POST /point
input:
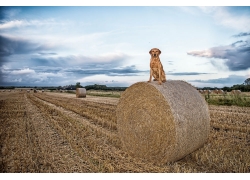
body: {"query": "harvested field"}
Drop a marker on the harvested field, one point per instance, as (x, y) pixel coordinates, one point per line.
(57, 132)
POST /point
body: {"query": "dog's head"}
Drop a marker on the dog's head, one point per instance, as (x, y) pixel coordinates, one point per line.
(155, 52)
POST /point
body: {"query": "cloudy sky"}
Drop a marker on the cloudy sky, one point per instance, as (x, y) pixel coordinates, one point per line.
(62, 45)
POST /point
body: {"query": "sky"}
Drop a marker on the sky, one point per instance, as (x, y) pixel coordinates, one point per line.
(207, 46)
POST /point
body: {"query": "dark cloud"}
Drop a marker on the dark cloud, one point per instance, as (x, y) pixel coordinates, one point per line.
(10, 46)
(122, 71)
(41, 53)
(1, 12)
(186, 73)
(230, 80)
(57, 75)
(242, 34)
(236, 56)
(237, 42)
(46, 69)
(95, 62)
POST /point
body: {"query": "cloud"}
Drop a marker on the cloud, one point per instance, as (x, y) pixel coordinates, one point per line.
(51, 53)
(45, 77)
(7, 12)
(109, 60)
(111, 71)
(229, 17)
(11, 24)
(29, 77)
(228, 81)
(236, 56)
(186, 73)
(242, 34)
(23, 23)
(12, 45)
(26, 71)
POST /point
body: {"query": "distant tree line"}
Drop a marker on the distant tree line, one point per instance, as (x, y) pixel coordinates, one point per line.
(245, 87)
(241, 87)
(104, 87)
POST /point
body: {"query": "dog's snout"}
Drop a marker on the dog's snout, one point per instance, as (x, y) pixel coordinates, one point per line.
(154, 54)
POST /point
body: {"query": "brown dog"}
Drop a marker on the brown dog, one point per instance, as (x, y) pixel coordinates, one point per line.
(156, 68)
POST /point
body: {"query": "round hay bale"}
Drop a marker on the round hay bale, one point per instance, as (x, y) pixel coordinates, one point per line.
(162, 123)
(80, 92)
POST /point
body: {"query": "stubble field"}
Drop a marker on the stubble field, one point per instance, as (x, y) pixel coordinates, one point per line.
(56, 132)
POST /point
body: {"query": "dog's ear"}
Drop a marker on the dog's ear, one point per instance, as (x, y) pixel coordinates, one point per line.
(150, 51)
(159, 51)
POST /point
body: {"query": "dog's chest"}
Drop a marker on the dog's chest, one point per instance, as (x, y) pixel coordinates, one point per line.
(155, 63)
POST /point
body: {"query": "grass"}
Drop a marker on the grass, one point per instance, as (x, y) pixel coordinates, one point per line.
(228, 100)
(105, 95)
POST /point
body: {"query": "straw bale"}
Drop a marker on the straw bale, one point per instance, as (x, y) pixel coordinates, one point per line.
(80, 92)
(216, 91)
(235, 91)
(162, 123)
(221, 92)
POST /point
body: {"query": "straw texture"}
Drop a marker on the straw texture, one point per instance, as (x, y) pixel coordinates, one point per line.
(162, 123)
(80, 92)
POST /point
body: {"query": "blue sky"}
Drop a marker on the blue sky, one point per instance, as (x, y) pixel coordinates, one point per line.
(62, 45)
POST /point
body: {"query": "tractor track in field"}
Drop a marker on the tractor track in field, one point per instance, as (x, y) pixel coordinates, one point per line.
(36, 146)
(80, 118)
(55, 152)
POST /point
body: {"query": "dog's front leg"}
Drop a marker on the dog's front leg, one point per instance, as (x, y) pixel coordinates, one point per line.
(159, 80)
(150, 76)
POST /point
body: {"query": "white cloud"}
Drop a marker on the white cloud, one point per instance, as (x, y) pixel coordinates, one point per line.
(224, 17)
(24, 23)
(111, 80)
(26, 71)
(11, 24)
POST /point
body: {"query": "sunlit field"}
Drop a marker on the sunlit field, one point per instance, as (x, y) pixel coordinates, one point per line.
(57, 132)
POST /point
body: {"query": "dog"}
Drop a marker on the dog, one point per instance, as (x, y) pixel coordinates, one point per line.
(156, 68)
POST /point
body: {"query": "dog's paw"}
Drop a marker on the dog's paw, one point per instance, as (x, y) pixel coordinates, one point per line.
(159, 83)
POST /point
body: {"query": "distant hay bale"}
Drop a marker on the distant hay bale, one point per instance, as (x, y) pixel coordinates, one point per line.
(162, 123)
(80, 92)
(201, 91)
(216, 91)
(207, 91)
(221, 91)
(235, 92)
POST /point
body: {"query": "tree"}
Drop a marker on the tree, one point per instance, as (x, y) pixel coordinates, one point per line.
(247, 81)
(78, 85)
